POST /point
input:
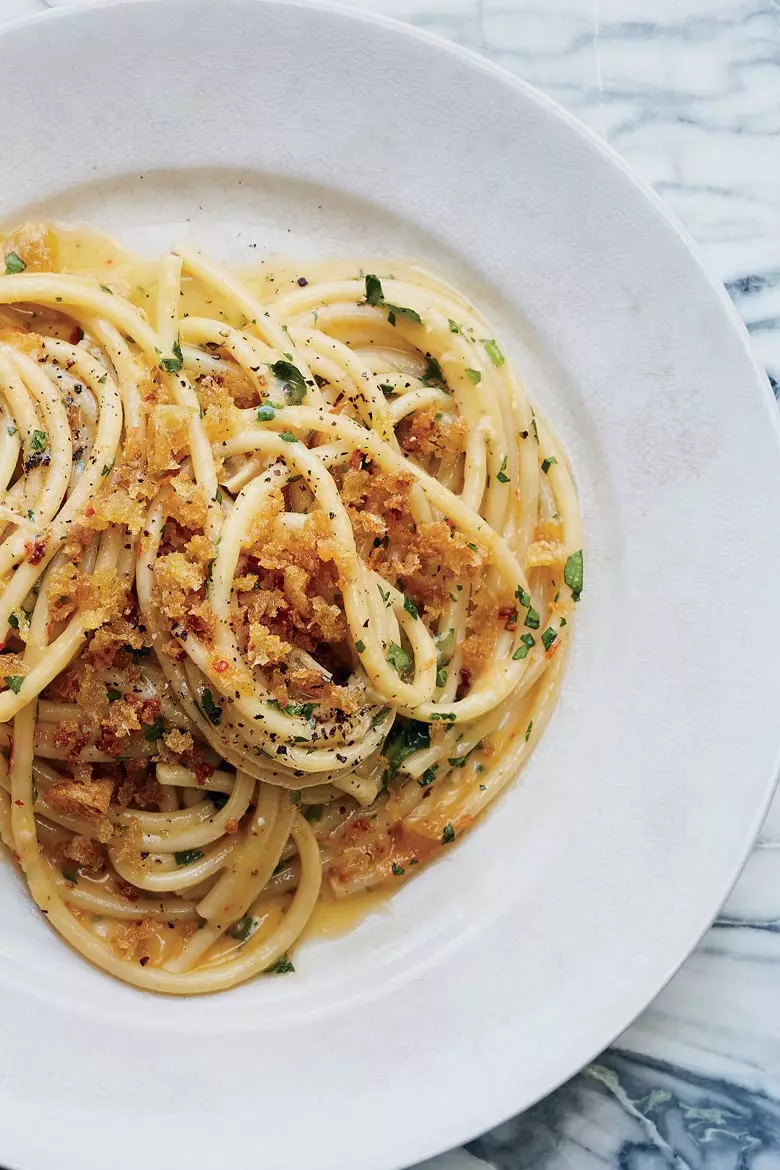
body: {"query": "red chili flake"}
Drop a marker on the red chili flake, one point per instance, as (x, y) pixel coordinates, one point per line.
(553, 650)
(90, 511)
(465, 676)
(221, 665)
(35, 550)
(76, 334)
(3, 645)
(20, 803)
(231, 826)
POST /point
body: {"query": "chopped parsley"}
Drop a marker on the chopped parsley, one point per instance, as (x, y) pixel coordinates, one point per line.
(360, 646)
(474, 376)
(572, 574)
(433, 375)
(398, 870)
(112, 694)
(105, 288)
(523, 597)
(441, 677)
(376, 297)
(547, 463)
(386, 389)
(548, 637)
(443, 715)
(428, 776)
(187, 856)
(154, 731)
(532, 619)
(288, 437)
(410, 607)
(448, 834)
(14, 263)
(282, 966)
(379, 717)
(502, 477)
(38, 441)
(398, 658)
(528, 642)
(406, 737)
(293, 382)
(454, 326)
(14, 682)
(11, 431)
(211, 709)
(265, 413)
(242, 929)
(173, 364)
(528, 731)
(385, 595)
(493, 352)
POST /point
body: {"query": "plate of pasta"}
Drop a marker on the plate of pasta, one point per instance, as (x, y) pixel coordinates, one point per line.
(380, 517)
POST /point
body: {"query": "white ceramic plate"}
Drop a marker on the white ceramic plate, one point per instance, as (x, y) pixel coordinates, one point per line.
(254, 127)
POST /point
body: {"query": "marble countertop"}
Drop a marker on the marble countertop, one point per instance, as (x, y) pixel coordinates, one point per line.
(689, 92)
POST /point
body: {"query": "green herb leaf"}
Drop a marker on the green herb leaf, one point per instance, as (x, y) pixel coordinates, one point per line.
(387, 389)
(242, 929)
(313, 812)
(398, 658)
(458, 761)
(293, 382)
(428, 776)
(398, 870)
(410, 607)
(265, 413)
(39, 441)
(385, 595)
(406, 737)
(548, 637)
(572, 574)
(14, 682)
(547, 463)
(113, 694)
(443, 715)
(474, 375)
(374, 293)
(14, 263)
(433, 375)
(532, 619)
(441, 677)
(501, 477)
(454, 326)
(155, 731)
(105, 288)
(282, 966)
(360, 646)
(288, 437)
(448, 835)
(528, 731)
(187, 856)
(375, 296)
(211, 709)
(175, 363)
(11, 430)
(523, 597)
(493, 352)
(528, 642)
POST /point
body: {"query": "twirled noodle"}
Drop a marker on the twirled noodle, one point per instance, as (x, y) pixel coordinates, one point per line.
(289, 570)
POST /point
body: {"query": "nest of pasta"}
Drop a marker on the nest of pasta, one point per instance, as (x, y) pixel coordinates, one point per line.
(289, 571)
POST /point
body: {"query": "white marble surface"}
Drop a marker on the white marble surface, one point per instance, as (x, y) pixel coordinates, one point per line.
(689, 92)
